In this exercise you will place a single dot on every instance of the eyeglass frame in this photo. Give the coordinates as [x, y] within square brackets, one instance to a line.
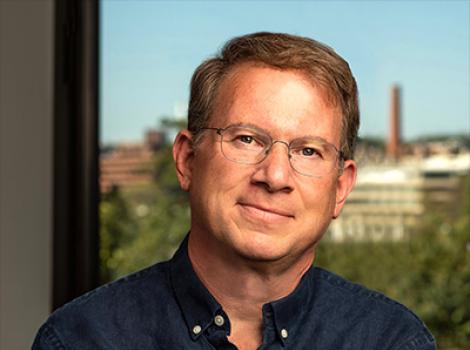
[339, 154]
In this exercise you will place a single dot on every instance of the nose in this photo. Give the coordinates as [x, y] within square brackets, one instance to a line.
[274, 172]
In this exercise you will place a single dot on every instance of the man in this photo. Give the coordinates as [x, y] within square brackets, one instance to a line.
[268, 162]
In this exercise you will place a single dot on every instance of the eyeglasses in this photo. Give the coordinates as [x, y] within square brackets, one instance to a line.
[309, 156]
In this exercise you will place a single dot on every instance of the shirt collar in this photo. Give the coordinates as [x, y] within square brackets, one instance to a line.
[198, 306]
[289, 312]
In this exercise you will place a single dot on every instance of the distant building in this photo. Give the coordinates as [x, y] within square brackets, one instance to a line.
[129, 165]
[397, 182]
[388, 201]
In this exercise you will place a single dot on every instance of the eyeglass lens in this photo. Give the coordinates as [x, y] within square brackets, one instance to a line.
[308, 156]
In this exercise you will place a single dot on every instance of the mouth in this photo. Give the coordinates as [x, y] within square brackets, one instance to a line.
[265, 214]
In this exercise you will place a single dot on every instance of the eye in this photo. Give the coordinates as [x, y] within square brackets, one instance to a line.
[243, 138]
[308, 151]
[246, 138]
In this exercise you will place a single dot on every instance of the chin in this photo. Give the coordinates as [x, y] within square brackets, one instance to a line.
[260, 257]
[263, 249]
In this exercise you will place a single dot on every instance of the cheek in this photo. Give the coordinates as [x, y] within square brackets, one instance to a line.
[214, 180]
[320, 200]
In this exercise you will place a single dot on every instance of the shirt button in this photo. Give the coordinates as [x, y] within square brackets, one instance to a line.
[219, 320]
[284, 333]
[197, 329]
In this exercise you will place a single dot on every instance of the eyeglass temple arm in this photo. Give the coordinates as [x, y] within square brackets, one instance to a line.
[218, 130]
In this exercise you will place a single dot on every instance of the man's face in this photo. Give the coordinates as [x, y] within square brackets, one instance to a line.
[266, 211]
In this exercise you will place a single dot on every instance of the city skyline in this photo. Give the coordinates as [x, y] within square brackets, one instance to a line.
[150, 49]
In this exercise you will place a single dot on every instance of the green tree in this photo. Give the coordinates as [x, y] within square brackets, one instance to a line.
[143, 225]
[117, 229]
[430, 273]
[439, 283]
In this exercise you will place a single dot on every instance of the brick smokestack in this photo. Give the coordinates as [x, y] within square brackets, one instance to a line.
[394, 136]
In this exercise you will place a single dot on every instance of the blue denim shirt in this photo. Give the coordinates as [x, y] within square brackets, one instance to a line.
[167, 307]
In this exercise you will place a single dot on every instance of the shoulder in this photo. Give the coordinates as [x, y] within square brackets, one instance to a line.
[122, 294]
[339, 290]
[114, 308]
[355, 307]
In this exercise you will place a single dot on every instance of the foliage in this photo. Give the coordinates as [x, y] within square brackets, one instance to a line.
[169, 122]
[430, 273]
[143, 225]
[463, 139]
[117, 228]
[371, 141]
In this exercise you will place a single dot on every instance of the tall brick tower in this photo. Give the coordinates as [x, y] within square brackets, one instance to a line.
[394, 136]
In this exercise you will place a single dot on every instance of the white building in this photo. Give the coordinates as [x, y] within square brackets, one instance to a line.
[388, 201]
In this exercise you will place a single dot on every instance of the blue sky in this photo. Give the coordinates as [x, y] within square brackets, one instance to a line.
[149, 50]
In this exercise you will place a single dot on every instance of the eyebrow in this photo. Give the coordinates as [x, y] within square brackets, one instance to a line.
[255, 127]
[249, 125]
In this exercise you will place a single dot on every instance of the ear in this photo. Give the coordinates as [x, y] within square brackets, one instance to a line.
[345, 184]
[183, 154]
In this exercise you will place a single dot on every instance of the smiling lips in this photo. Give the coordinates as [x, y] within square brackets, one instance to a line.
[269, 215]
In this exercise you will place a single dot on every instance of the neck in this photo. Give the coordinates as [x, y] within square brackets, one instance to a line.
[242, 287]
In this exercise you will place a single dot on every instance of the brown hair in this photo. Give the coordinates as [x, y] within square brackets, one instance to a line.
[283, 51]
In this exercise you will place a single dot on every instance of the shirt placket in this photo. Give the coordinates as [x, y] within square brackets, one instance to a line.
[217, 332]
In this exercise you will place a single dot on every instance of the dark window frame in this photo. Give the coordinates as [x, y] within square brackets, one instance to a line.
[76, 150]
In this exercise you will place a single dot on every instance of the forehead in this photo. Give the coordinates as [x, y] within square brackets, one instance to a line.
[287, 102]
